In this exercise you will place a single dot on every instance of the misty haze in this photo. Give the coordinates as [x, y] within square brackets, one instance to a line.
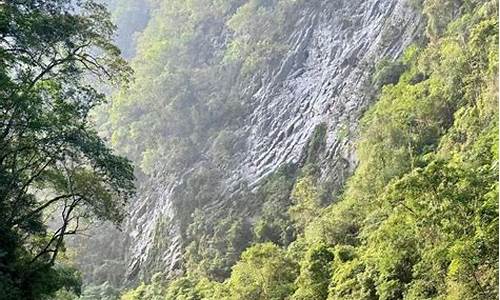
[249, 150]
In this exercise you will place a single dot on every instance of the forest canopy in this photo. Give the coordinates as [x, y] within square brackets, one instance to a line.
[417, 219]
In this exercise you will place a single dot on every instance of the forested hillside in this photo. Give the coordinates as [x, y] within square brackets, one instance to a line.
[275, 149]
[230, 99]
[419, 217]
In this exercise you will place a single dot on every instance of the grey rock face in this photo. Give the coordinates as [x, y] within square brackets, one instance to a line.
[324, 79]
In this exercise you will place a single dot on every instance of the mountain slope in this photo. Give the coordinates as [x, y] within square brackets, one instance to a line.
[237, 91]
[418, 219]
[244, 122]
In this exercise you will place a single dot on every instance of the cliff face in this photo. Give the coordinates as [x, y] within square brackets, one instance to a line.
[324, 79]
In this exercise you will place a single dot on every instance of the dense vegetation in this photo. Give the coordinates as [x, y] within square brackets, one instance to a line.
[56, 173]
[417, 220]
[196, 66]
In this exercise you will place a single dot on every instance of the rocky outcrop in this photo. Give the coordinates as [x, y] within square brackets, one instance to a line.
[324, 79]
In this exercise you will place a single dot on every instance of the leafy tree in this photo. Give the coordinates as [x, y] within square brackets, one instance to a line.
[264, 272]
[215, 249]
[306, 202]
[417, 220]
[315, 274]
[155, 290]
[257, 27]
[182, 289]
[274, 224]
[102, 292]
[52, 163]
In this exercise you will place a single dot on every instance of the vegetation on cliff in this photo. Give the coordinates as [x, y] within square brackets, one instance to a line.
[417, 220]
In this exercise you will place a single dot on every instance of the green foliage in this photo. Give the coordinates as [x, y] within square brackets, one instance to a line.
[52, 163]
[387, 72]
[101, 292]
[316, 143]
[352, 278]
[417, 220]
[216, 247]
[420, 199]
[182, 289]
[264, 272]
[315, 274]
[135, 294]
[306, 202]
[274, 224]
[180, 94]
[258, 28]
[153, 291]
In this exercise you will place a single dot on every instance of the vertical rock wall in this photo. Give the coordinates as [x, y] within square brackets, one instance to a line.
[324, 79]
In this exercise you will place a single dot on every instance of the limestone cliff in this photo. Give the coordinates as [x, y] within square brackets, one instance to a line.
[325, 78]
